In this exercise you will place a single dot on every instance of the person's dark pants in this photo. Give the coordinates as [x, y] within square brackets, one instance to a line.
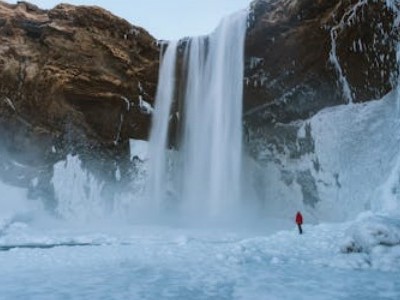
[300, 229]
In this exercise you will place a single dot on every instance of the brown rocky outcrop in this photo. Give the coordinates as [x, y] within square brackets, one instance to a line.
[73, 74]
[73, 79]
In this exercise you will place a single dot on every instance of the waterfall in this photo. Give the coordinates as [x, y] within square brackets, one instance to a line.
[159, 131]
[207, 175]
[212, 126]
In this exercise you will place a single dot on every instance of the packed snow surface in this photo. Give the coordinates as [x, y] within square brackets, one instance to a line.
[43, 258]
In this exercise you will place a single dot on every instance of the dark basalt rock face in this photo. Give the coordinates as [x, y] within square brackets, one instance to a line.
[291, 50]
[73, 79]
[303, 56]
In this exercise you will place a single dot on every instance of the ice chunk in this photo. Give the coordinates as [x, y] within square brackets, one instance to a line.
[138, 149]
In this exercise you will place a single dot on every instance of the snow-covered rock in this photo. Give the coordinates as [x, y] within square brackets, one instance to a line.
[376, 239]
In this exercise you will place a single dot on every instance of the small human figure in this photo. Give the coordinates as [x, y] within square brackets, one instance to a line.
[299, 222]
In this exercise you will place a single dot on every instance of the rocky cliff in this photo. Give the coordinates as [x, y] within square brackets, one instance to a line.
[305, 55]
[75, 67]
[83, 68]
[72, 79]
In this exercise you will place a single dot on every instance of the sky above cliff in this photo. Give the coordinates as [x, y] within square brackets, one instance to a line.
[164, 19]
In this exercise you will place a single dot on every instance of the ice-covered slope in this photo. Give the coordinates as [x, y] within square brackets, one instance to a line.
[334, 162]
[344, 160]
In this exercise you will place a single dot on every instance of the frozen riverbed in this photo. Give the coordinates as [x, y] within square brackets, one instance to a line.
[163, 262]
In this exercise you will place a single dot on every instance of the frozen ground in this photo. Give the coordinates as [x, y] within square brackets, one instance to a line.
[49, 259]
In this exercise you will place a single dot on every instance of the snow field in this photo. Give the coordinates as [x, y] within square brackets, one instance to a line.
[164, 262]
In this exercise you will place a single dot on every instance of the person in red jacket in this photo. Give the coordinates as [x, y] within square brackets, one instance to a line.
[299, 221]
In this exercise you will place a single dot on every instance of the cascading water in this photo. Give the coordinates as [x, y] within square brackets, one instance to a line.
[207, 177]
[212, 136]
[159, 132]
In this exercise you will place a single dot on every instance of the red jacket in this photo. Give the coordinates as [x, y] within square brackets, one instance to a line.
[299, 218]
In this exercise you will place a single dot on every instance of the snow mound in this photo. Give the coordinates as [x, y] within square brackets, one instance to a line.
[375, 238]
[371, 231]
